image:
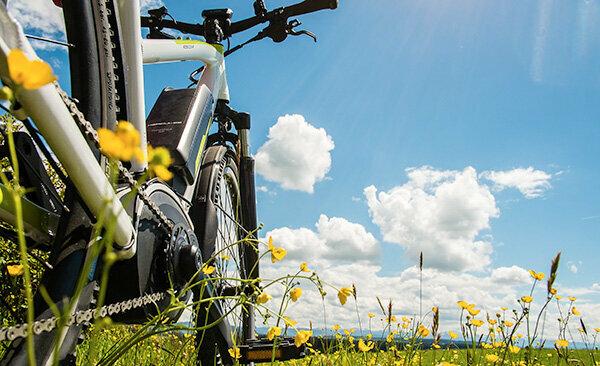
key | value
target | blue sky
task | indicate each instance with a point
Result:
(441, 84)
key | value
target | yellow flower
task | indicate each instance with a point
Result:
(471, 309)
(405, 319)
(277, 253)
(597, 330)
(159, 160)
(365, 347)
(335, 327)
(452, 334)
(436, 346)
(476, 322)
(304, 267)
(225, 257)
(405, 325)
(392, 319)
(15, 270)
(486, 345)
(263, 298)
(508, 323)
(273, 332)
(491, 358)
(371, 315)
(553, 291)
(572, 298)
(390, 338)
(463, 304)
(536, 275)
(558, 297)
(121, 144)
(503, 308)
(302, 337)
(514, 349)
(295, 294)
(445, 363)
(561, 343)
(30, 75)
(6, 93)
(575, 311)
(492, 321)
(526, 299)
(343, 294)
(289, 322)
(206, 269)
(235, 353)
(422, 330)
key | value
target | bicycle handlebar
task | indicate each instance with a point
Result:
(305, 7)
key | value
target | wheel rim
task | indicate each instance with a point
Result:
(228, 251)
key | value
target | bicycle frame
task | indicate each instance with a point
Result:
(60, 130)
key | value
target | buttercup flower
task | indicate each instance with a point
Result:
(536, 275)
(273, 332)
(572, 298)
(553, 291)
(15, 270)
(263, 298)
(476, 322)
(514, 349)
(463, 304)
(30, 75)
(304, 267)
(422, 330)
(295, 294)
(527, 299)
(206, 269)
(471, 309)
(234, 353)
(302, 337)
(575, 311)
(343, 294)
(335, 327)
(491, 358)
(508, 323)
(561, 343)
(159, 160)
(277, 253)
(6, 93)
(365, 347)
(371, 315)
(289, 322)
(452, 334)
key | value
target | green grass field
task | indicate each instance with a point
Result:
(171, 349)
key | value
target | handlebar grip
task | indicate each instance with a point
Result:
(309, 6)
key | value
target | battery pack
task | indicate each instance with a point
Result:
(179, 121)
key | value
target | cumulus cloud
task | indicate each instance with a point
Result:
(491, 290)
(146, 5)
(296, 154)
(439, 213)
(39, 16)
(43, 18)
(530, 182)
(335, 238)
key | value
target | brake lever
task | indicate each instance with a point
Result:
(295, 23)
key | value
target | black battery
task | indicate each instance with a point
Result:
(179, 120)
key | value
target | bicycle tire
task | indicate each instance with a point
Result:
(218, 192)
(91, 81)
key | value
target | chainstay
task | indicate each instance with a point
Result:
(81, 317)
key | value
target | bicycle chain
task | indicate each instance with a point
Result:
(83, 317)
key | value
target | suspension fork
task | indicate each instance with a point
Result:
(241, 122)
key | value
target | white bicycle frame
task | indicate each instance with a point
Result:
(53, 119)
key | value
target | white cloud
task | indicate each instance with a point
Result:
(573, 268)
(439, 213)
(43, 18)
(296, 154)
(530, 182)
(335, 238)
(596, 287)
(39, 16)
(146, 5)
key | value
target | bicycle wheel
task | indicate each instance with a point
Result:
(92, 71)
(216, 214)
